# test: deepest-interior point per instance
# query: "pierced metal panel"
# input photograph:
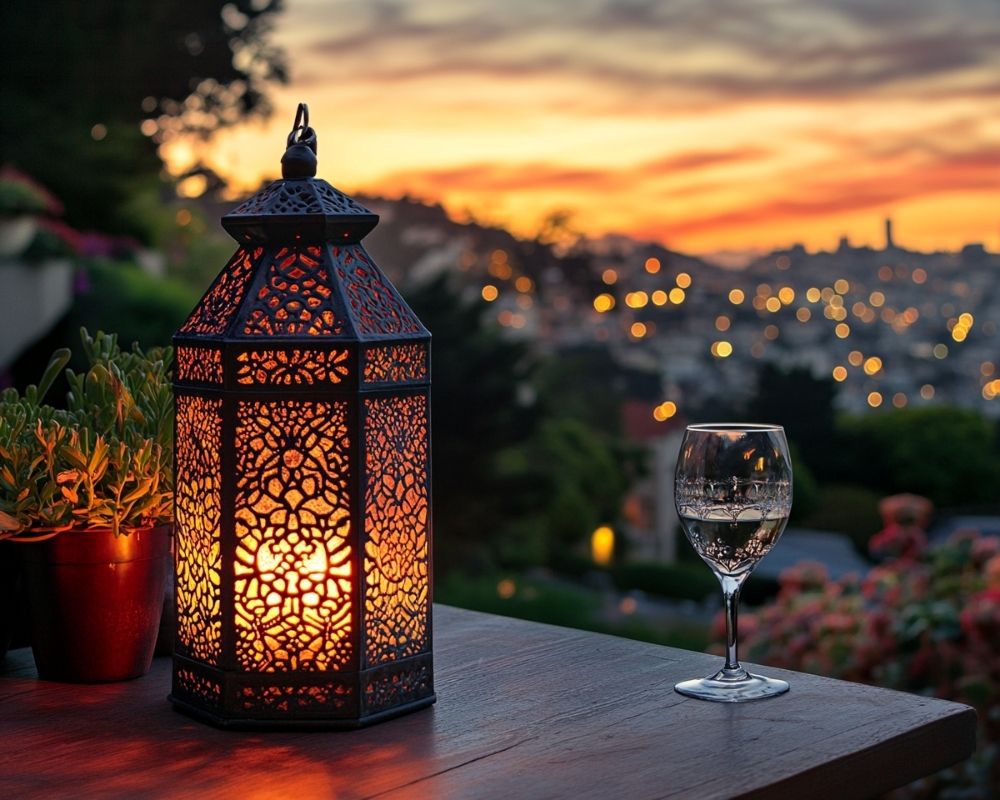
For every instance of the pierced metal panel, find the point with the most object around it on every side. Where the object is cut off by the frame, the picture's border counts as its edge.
(396, 363)
(328, 696)
(197, 531)
(192, 683)
(294, 367)
(293, 559)
(374, 303)
(211, 317)
(199, 364)
(397, 685)
(396, 563)
(296, 297)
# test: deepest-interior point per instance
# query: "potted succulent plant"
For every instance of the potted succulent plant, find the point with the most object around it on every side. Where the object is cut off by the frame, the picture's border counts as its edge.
(86, 490)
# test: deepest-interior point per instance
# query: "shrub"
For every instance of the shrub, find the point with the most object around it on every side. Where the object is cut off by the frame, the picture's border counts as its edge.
(141, 308)
(925, 622)
(850, 510)
(677, 581)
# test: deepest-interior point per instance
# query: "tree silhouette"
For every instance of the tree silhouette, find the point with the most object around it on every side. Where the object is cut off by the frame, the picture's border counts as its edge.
(80, 78)
(950, 455)
(803, 404)
(477, 412)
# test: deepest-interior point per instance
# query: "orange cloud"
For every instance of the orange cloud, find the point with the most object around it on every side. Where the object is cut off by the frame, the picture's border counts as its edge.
(834, 194)
(541, 177)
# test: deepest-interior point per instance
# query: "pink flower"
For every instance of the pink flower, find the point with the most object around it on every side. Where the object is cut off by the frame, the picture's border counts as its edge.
(992, 572)
(898, 541)
(984, 548)
(838, 621)
(804, 576)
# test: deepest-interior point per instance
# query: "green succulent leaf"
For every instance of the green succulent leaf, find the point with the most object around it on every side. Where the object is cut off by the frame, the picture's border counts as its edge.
(105, 459)
(58, 362)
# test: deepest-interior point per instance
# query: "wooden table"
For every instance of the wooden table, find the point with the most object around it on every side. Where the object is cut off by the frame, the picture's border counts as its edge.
(524, 711)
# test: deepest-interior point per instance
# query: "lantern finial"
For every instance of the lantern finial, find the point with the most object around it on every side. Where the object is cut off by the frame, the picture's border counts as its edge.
(299, 160)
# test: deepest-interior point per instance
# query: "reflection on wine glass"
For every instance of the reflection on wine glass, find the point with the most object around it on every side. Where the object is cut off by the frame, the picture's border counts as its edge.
(733, 491)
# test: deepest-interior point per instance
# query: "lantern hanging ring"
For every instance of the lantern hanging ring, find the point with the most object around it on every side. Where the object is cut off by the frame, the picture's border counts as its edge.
(301, 132)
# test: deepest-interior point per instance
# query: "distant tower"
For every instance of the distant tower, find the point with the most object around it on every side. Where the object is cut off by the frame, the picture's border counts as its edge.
(889, 244)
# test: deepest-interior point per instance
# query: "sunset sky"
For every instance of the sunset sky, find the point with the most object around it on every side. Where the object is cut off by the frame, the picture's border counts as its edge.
(706, 125)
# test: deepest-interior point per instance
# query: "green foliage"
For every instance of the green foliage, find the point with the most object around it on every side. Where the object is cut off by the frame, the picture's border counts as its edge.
(686, 579)
(514, 482)
(806, 493)
(566, 605)
(20, 197)
(948, 455)
(142, 308)
(675, 633)
(199, 253)
(560, 603)
(477, 412)
(587, 384)
(851, 510)
(144, 213)
(103, 461)
(803, 405)
(572, 480)
(676, 581)
(46, 245)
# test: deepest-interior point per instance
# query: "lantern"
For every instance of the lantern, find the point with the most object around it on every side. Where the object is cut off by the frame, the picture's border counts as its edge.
(303, 530)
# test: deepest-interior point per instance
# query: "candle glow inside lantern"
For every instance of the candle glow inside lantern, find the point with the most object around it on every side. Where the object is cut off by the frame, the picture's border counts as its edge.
(303, 528)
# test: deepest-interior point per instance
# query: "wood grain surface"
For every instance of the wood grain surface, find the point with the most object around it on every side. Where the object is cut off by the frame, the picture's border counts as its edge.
(524, 711)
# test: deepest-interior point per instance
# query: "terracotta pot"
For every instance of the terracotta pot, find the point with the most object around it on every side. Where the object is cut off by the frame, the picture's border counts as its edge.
(10, 580)
(95, 602)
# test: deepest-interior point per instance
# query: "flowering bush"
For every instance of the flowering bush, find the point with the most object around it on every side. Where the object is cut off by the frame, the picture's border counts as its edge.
(19, 194)
(927, 620)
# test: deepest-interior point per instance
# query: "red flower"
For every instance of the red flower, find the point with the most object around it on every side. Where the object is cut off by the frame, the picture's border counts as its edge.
(898, 541)
(992, 572)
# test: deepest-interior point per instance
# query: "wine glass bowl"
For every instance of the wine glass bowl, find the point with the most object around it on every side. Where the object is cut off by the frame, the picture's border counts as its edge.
(733, 492)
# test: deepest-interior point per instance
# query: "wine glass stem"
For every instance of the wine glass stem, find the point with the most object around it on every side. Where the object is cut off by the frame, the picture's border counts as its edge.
(731, 591)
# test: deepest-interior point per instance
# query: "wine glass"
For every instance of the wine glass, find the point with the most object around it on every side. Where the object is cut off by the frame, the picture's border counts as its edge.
(733, 491)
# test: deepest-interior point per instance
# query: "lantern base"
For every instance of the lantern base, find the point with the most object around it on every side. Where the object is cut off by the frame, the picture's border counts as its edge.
(331, 700)
(248, 724)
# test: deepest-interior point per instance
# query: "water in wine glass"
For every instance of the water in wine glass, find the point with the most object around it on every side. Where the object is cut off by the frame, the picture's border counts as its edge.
(733, 544)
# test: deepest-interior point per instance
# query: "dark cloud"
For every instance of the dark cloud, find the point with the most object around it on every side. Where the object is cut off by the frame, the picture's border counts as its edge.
(788, 49)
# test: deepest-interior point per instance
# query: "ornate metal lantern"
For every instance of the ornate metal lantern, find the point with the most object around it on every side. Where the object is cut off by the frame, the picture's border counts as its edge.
(303, 529)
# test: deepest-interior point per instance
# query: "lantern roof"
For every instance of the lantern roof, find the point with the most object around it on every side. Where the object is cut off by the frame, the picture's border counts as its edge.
(300, 206)
(300, 270)
(308, 209)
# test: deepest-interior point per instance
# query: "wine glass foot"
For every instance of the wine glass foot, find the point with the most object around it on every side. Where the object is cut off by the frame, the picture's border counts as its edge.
(724, 688)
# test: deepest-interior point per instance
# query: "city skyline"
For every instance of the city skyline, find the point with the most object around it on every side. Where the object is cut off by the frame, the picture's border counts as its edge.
(891, 328)
(706, 127)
